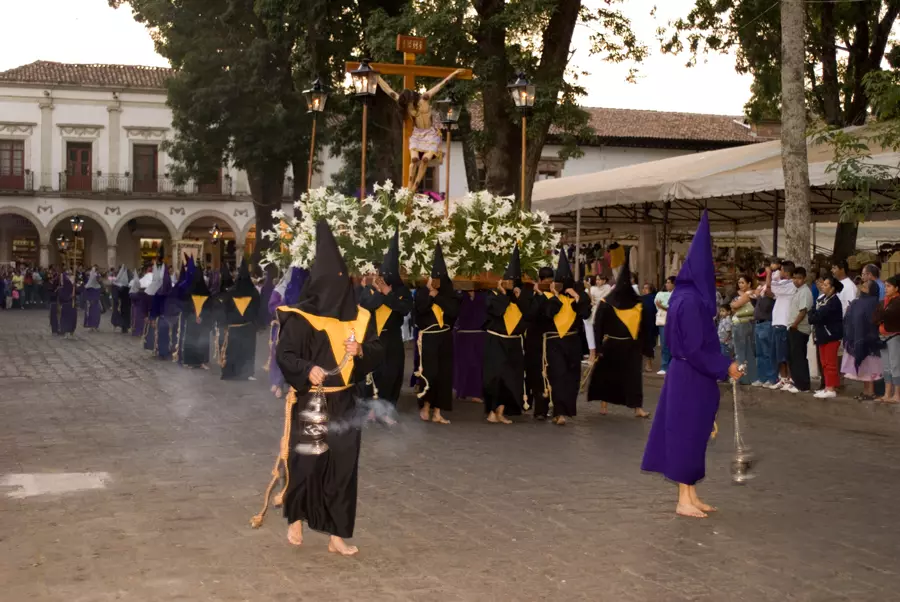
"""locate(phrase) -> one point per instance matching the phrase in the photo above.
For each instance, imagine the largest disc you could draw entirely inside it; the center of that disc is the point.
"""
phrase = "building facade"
(88, 141)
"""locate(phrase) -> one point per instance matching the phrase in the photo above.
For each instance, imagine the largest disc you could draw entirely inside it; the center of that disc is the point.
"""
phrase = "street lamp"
(77, 224)
(522, 93)
(365, 83)
(449, 111)
(62, 243)
(215, 234)
(315, 104)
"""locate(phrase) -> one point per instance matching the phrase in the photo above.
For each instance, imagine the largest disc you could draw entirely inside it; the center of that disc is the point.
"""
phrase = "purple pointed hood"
(295, 283)
(698, 274)
(166, 287)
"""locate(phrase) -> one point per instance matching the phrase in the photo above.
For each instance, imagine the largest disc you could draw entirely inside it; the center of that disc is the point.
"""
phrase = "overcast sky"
(88, 31)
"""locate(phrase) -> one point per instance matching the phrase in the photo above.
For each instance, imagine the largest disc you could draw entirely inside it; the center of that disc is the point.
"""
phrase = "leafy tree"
(236, 92)
(845, 41)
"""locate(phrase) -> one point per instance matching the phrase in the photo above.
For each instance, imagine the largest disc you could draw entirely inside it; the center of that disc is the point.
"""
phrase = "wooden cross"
(411, 46)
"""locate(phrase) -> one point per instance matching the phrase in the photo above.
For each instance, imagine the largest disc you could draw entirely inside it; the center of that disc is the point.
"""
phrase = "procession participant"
(176, 302)
(121, 314)
(115, 317)
(241, 305)
(468, 345)
(425, 143)
(162, 324)
(92, 300)
(224, 281)
(389, 301)
(265, 293)
(195, 324)
(508, 312)
(68, 314)
(286, 293)
(690, 396)
(562, 345)
(317, 334)
(436, 310)
(617, 376)
(137, 314)
(152, 306)
(54, 283)
(534, 345)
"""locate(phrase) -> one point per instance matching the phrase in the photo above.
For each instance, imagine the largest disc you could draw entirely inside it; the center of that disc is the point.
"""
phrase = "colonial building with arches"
(86, 141)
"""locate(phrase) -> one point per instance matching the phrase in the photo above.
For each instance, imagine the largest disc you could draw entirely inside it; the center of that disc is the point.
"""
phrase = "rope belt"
(471, 331)
(548, 389)
(283, 452)
(522, 343)
(216, 342)
(277, 326)
(433, 329)
(177, 330)
(222, 359)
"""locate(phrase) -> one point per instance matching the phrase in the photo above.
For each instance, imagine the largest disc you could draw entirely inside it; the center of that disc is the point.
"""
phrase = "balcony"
(23, 184)
(115, 185)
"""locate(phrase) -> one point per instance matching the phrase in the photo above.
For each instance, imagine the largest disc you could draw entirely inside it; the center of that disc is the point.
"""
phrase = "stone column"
(111, 256)
(5, 245)
(115, 133)
(46, 176)
(647, 254)
(238, 255)
(44, 258)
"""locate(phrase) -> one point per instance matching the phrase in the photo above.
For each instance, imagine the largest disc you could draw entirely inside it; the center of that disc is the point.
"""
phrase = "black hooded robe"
(322, 490)
(436, 345)
(389, 311)
(237, 356)
(196, 323)
(562, 350)
(503, 372)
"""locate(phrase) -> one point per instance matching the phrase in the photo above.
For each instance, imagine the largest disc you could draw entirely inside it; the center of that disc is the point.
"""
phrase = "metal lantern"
(316, 97)
(215, 233)
(77, 224)
(449, 111)
(365, 79)
(62, 243)
(522, 92)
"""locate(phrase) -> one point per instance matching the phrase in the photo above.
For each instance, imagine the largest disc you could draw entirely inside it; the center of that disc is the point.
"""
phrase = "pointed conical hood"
(698, 273)
(514, 269)
(390, 265)
(226, 281)
(198, 284)
(165, 286)
(563, 271)
(122, 276)
(439, 271)
(328, 292)
(244, 285)
(623, 295)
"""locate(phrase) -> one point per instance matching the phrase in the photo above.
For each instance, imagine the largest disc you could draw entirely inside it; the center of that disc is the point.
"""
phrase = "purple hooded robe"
(468, 347)
(690, 396)
(286, 293)
(68, 315)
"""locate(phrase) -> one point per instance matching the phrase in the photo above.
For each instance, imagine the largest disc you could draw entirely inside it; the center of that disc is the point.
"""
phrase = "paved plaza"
(178, 461)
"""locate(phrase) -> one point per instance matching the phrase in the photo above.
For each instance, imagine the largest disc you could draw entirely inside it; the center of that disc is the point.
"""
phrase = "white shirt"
(784, 291)
(589, 335)
(848, 293)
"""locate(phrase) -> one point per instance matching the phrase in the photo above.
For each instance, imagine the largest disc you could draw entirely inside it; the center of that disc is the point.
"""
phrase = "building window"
(12, 165)
(78, 166)
(212, 185)
(549, 169)
(145, 168)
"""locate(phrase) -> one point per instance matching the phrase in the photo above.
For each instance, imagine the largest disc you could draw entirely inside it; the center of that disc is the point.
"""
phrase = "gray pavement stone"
(469, 512)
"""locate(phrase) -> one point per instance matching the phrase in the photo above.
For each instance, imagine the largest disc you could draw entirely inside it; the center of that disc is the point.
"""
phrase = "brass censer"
(744, 461)
(315, 415)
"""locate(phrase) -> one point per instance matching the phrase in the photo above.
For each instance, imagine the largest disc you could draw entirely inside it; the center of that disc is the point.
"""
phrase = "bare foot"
(336, 545)
(492, 418)
(295, 533)
(424, 414)
(604, 408)
(691, 511)
(251, 378)
(273, 388)
(278, 393)
(503, 419)
(641, 413)
(204, 366)
(696, 503)
(438, 419)
(559, 420)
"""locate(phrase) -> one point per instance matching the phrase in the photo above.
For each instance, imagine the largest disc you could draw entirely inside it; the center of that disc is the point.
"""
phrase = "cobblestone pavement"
(469, 512)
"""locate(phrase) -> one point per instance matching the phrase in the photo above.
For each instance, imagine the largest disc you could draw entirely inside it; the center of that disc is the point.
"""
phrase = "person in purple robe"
(286, 293)
(265, 292)
(53, 285)
(92, 300)
(468, 345)
(689, 399)
(68, 314)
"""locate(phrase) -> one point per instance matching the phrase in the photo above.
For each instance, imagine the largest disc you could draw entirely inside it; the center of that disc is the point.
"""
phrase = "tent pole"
(812, 250)
(665, 239)
(577, 244)
(734, 269)
(775, 227)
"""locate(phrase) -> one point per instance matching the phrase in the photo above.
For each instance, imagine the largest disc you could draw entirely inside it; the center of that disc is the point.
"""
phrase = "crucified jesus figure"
(425, 142)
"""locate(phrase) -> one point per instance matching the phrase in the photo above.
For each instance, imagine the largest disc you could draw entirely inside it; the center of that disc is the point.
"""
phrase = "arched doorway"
(223, 247)
(86, 247)
(141, 239)
(20, 240)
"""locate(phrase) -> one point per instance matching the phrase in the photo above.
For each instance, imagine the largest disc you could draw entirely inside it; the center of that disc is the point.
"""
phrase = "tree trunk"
(470, 156)
(265, 186)
(845, 240)
(793, 132)
(831, 88)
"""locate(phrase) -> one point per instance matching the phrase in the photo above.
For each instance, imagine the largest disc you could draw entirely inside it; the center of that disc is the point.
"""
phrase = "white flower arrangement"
(478, 238)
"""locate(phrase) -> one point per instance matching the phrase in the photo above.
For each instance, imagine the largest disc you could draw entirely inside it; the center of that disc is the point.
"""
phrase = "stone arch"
(246, 229)
(107, 231)
(213, 213)
(43, 233)
(144, 213)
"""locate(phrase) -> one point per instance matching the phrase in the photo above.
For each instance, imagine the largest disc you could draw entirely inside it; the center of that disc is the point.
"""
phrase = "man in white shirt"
(798, 332)
(780, 286)
(662, 307)
(840, 269)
